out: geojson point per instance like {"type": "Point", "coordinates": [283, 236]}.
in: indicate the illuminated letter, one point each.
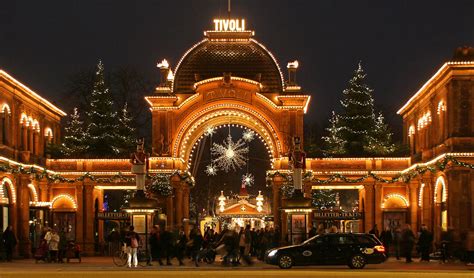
{"type": "Point", "coordinates": [226, 24]}
{"type": "Point", "coordinates": [216, 24]}
{"type": "Point", "coordinates": [232, 25]}
{"type": "Point", "coordinates": [243, 24]}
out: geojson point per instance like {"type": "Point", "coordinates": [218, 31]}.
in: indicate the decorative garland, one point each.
{"type": "Point", "coordinates": [160, 185]}
{"type": "Point", "coordinates": [405, 177]}
{"type": "Point", "coordinates": [57, 178]}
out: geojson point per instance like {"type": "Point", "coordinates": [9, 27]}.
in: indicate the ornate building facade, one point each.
{"type": "Point", "coordinates": [229, 78]}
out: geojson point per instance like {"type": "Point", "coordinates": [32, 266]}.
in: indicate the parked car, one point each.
{"type": "Point", "coordinates": [354, 250]}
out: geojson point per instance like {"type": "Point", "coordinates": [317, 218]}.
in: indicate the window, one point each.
{"type": "Point", "coordinates": [341, 239]}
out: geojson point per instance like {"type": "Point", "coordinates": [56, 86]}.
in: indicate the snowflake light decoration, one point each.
{"type": "Point", "coordinates": [210, 131]}
{"type": "Point", "coordinates": [211, 170]}
{"type": "Point", "coordinates": [229, 155]}
{"type": "Point", "coordinates": [248, 135]}
{"type": "Point", "coordinates": [248, 179]}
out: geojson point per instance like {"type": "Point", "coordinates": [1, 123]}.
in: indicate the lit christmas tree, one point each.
{"type": "Point", "coordinates": [334, 144]}
{"type": "Point", "coordinates": [126, 133]}
{"type": "Point", "coordinates": [324, 198]}
{"type": "Point", "coordinates": [102, 122]}
{"type": "Point", "coordinates": [357, 130]}
{"type": "Point", "coordinates": [74, 144]}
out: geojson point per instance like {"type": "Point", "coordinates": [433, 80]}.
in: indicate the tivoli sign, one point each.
{"type": "Point", "coordinates": [229, 25]}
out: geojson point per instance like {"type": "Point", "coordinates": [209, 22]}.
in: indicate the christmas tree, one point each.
{"type": "Point", "coordinates": [357, 131]}
{"type": "Point", "coordinates": [74, 144]}
{"type": "Point", "coordinates": [324, 198]}
{"type": "Point", "coordinates": [125, 133]}
{"type": "Point", "coordinates": [334, 143]}
{"type": "Point", "coordinates": [102, 122]}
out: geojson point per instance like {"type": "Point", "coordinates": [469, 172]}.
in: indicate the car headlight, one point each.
{"type": "Point", "coordinates": [272, 253]}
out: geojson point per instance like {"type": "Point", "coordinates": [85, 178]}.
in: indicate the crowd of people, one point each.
{"type": "Point", "coordinates": [234, 245]}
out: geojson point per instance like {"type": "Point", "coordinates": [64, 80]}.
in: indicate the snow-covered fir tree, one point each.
{"type": "Point", "coordinates": [356, 128]}
{"type": "Point", "coordinates": [334, 143]}
{"type": "Point", "coordinates": [74, 143]}
{"type": "Point", "coordinates": [125, 133]}
{"type": "Point", "coordinates": [102, 120]}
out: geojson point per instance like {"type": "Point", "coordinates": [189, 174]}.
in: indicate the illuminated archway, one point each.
{"type": "Point", "coordinates": [33, 193]}
{"type": "Point", "coordinates": [395, 200]}
{"type": "Point", "coordinates": [441, 190]}
{"type": "Point", "coordinates": [193, 129]}
{"type": "Point", "coordinates": [63, 201]}
{"type": "Point", "coordinates": [7, 183]}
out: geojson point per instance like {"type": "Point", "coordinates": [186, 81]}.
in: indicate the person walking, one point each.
{"type": "Point", "coordinates": [397, 240]}
{"type": "Point", "coordinates": [181, 246]}
{"type": "Point", "coordinates": [374, 231]}
{"type": "Point", "coordinates": [247, 242]}
{"type": "Point", "coordinates": [132, 240]}
{"type": "Point", "coordinates": [386, 238]}
{"type": "Point", "coordinates": [53, 244]}
{"type": "Point", "coordinates": [424, 243]}
{"type": "Point", "coordinates": [154, 242]}
{"type": "Point", "coordinates": [9, 242]}
{"type": "Point", "coordinates": [408, 241]}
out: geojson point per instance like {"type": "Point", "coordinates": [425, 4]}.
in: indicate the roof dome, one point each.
{"type": "Point", "coordinates": [212, 58]}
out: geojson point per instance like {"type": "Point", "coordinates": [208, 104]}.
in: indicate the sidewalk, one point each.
{"type": "Point", "coordinates": [94, 266]}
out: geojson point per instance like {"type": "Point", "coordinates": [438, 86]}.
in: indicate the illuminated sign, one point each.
{"type": "Point", "coordinates": [232, 25]}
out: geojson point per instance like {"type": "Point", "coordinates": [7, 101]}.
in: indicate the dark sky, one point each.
{"type": "Point", "coordinates": [401, 42]}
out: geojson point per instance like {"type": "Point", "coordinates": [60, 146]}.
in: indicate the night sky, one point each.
{"type": "Point", "coordinates": [401, 43]}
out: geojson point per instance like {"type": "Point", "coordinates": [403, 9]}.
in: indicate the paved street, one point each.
{"type": "Point", "coordinates": [94, 266]}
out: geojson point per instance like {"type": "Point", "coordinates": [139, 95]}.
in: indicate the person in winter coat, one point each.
{"type": "Point", "coordinates": [9, 241]}
{"type": "Point", "coordinates": [424, 243]}
{"type": "Point", "coordinates": [386, 238]}
{"type": "Point", "coordinates": [181, 245]}
{"type": "Point", "coordinates": [408, 241]}
{"type": "Point", "coordinates": [132, 240]}
{"type": "Point", "coordinates": [374, 231]}
{"type": "Point", "coordinates": [53, 243]}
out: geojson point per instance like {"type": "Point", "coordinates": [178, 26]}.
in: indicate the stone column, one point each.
{"type": "Point", "coordinates": [89, 218]}
{"type": "Point", "coordinates": [186, 207]}
{"type": "Point", "coordinates": [276, 184]}
{"type": "Point", "coordinates": [80, 214]}
{"type": "Point", "coordinates": [44, 190]}
{"type": "Point", "coordinates": [169, 212]}
{"type": "Point", "coordinates": [369, 206]}
{"type": "Point", "coordinates": [23, 204]}
{"type": "Point", "coordinates": [179, 204]}
{"type": "Point", "coordinates": [378, 212]}
{"type": "Point", "coordinates": [413, 201]}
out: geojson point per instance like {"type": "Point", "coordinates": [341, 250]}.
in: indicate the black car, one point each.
{"type": "Point", "coordinates": [354, 250]}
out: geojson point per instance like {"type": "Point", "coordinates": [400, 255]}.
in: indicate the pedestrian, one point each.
{"type": "Point", "coordinates": [424, 243]}
{"type": "Point", "coordinates": [53, 244]}
{"type": "Point", "coordinates": [132, 240]}
{"type": "Point", "coordinates": [62, 245]}
{"type": "Point", "coordinates": [9, 242]}
{"type": "Point", "coordinates": [374, 231]}
{"type": "Point", "coordinates": [247, 241]}
{"type": "Point", "coordinates": [181, 246]}
{"type": "Point", "coordinates": [386, 238]}
{"type": "Point", "coordinates": [166, 243]}
{"type": "Point", "coordinates": [195, 242]}
{"type": "Point", "coordinates": [397, 241]}
{"type": "Point", "coordinates": [408, 241]}
{"type": "Point", "coordinates": [321, 230]}
{"type": "Point", "coordinates": [154, 242]}
{"type": "Point", "coordinates": [312, 232]}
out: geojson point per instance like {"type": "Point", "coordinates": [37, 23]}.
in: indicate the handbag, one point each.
{"type": "Point", "coordinates": [134, 242]}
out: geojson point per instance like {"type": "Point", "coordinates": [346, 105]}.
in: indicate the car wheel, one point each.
{"type": "Point", "coordinates": [285, 261]}
{"type": "Point", "coordinates": [357, 262]}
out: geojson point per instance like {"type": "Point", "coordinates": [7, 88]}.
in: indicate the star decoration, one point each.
{"type": "Point", "coordinates": [248, 135]}
{"type": "Point", "coordinates": [229, 155]}
{"type": "Point", "coordinates": [211, 170]}
{"type": "Point", "coordinates": [248, 179]}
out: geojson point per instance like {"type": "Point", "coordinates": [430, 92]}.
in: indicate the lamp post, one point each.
{"type": "Point", "coordinates": [140, 208]}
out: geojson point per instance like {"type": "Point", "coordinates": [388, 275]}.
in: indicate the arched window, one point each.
{"type": "Point", "coordinates": [48, 135]}
{"type": "Point", "coordinates": [411, 138]}
{"type": "Point", "coordinates": [5, 118]}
